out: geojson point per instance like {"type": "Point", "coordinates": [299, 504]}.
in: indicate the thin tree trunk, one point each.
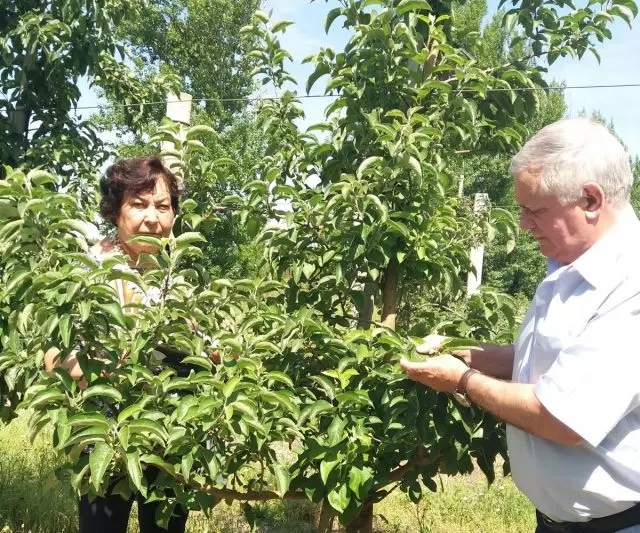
{"type": "Point", "coordinates": [368, 297]}
{"type": "Point", "coordinates": [20, 123]}
{"type": "Point", "coordinates": [325, 520]}
{"type": "Point", "coordinates": [364, 523]}
{"type": "Point", "coordinates": [390, 295]}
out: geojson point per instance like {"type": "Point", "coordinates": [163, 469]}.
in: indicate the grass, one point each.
{"type": "Point", "coordinates": [32, 500]}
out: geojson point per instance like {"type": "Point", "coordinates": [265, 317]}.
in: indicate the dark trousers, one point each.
{"type": "Point", "coordinates": [610, 524]}
{"type": "Point", "coordinates": [111, 515]}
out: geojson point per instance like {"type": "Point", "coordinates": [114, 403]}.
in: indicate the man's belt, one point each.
{"type": "Point", "coordinates": [606, 524]}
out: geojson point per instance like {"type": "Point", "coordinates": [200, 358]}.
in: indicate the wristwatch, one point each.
{"type": "Point", "coordinates": [460, 393]}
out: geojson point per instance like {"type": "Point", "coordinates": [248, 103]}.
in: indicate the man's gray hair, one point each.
{"type": "Point", "coordinates": [571, 152]}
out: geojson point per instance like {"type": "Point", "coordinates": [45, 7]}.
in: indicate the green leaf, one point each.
{"type": "Point", "coordinates": [65, 330]}
{"type": "Point", "coordinates": [414, 165]}
{"type": "Point", "coordinates": [88, 419]}
{"type": "Point", "coordinates": [326, 467]}
{"type": "Point", "coordinates": [156, 242]}
{"type": "Point", "coordinates": [312, 411]}
{"type": "Point", "coordinates": [230, 386]}
{"type": "Point", "coordinates": [326, 384]}
{"type": "Point", "coordinates": [114, 310]}
{"type": "Point", "coordinates": [261, 16]}
{"type": "Point", "coordinates": [281, 377]}
{"type": "Point", "coordinates": [145, 425]}
{"type": "Point", "coordinates": [331, 17]}
{"type": "Point", "coordinates": [336, 431]}
{"type": "Point", "coordinates": [202, 362]}
{"type": "Point", "coordinates": [509, 21]}
{"type": "Point", "coordinates": [359, 481]}
{"type": "Point", "coordinates": [412, 5]}
{"type": "Point", "coordinates": [339, 498]}
{"type": "Point", "coordinates": [99, 460]}
{"type": "Point", "coordinates": [382, 209]}
{"type": "Point", "coordinates": [104, 391]}
{"type": "Point", "coordinates": [283, 478]}
{"type": "Point", "coordinates": [244, 408]}
{"type": "Point", "coordinates": [40, 177]}
{"type": "Point", "coordinates": [189, 237]}
{"type": "Point", "coordinates": [135, 471]}
{"type": "Point", "coordinates": [201, 129]}
{"type": "Point", "coordinates": [47, 397]}
{"type": "Point", "coordinates": [186, 464]}
{"type": "Point", "coordinates": [370, 162]}
{"type": "Point", "coordinates": [308, 269]}
{"type": "Point", "coordinates": [281, 25]}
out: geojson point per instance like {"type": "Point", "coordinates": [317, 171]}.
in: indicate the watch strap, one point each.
{"type": "Point", "coordinates": [461, 390]}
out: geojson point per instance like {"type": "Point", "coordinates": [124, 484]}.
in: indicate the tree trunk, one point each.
{"type": "Point", "coordinates": [20, 123]}
{"type": "Point", "coordinates": [325, 520]}
{"type": "Point", "coordinates": [364, 523]}
{"type": "Point", "coordinates": [368, 302]}
{"type": "Point", "coordinates": [390, 295]}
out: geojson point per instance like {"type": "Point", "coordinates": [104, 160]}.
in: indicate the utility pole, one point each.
{"type": "Point", "coordinates": [476, 255]}
{"type": "Point", "coordinates": [178, 110]}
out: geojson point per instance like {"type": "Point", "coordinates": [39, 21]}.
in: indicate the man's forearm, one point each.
{"type": "Point", "coordinates": [491, 359]}
{"type": "Point", "coordinates": [517, 404]}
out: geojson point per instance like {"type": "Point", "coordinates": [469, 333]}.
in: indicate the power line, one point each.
{"type": "Point", "coordinates": [312, 96]}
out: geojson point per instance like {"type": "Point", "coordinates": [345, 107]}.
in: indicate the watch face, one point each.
{"type": "Point", "coordinates": [461, 399]}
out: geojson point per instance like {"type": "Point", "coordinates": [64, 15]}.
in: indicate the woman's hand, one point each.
{"type": "Point", "coordinates": [70, 364]}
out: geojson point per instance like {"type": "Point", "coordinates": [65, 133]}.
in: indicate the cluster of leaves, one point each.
{"type": "Point", "coordinates": [356, 210]}
{"type": "Point", "coordinates": [45, 48]}
{"type": "Point", "coordinates": [214, 427]}
{"type": "Point", "coordinates": [198, 41]}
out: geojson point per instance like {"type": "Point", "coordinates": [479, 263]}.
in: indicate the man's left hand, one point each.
{"type": "Point", "coordinates": [442, 373]}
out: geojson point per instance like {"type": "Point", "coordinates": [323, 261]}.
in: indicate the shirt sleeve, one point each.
{"type": "Point", "coordinates": [595, 380]}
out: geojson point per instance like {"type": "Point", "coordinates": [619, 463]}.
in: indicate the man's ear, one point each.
{"type": "Point", "coordinates": [593, 199]}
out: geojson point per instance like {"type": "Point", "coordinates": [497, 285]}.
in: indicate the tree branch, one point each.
{"type": "Point", "coordinates": [398, 473]}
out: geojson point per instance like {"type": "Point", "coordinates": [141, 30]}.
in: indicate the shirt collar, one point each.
{"type": "Point", "coordinates": [597, 264]}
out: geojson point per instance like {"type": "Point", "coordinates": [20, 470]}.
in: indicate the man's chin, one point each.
{"type": "Point", "coordinates": [545, 247]}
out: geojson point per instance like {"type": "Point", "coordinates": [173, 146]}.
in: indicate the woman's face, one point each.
{"type": "Point", "coordinates": [147, 213]}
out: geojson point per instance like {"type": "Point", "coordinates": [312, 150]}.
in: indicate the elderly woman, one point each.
{"type": "Point", "coordinates": [140, 197]}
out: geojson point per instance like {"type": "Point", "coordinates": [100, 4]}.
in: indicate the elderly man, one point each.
{"type": "Point", "coordinates": [569, 389]}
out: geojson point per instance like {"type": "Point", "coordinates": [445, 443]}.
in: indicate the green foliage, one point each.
{"type": "Point", "coordinates": [201, 158]}
{"type": "Point", "coordinates": [338, 402]}
{"type": "Point", "coordinates": [198, 41]}
{"type": "Point", "coordinates": [305, 398]}
{"type": "Point", "coordinates": [45, 48]}
{"type": "Point", "coordinates": [517, 271]}
{"type": "Point", "coordinates": [357, 209]}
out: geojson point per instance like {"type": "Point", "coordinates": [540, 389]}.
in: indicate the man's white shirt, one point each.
{"type": "Point", "coordinates": [580, 345]}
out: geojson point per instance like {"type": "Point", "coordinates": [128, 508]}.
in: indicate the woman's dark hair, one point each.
{"type": "Point", "coordinates": [131, 177]}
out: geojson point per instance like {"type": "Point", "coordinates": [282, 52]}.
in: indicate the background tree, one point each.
{"type": "Point", "coordinates": [46, 47]}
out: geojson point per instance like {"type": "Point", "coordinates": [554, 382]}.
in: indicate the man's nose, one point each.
{"type": "Point", "coordinates": [526, 223]}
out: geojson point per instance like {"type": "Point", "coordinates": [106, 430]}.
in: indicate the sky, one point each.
{"type": "Point", "coordinates": [620, 65]}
